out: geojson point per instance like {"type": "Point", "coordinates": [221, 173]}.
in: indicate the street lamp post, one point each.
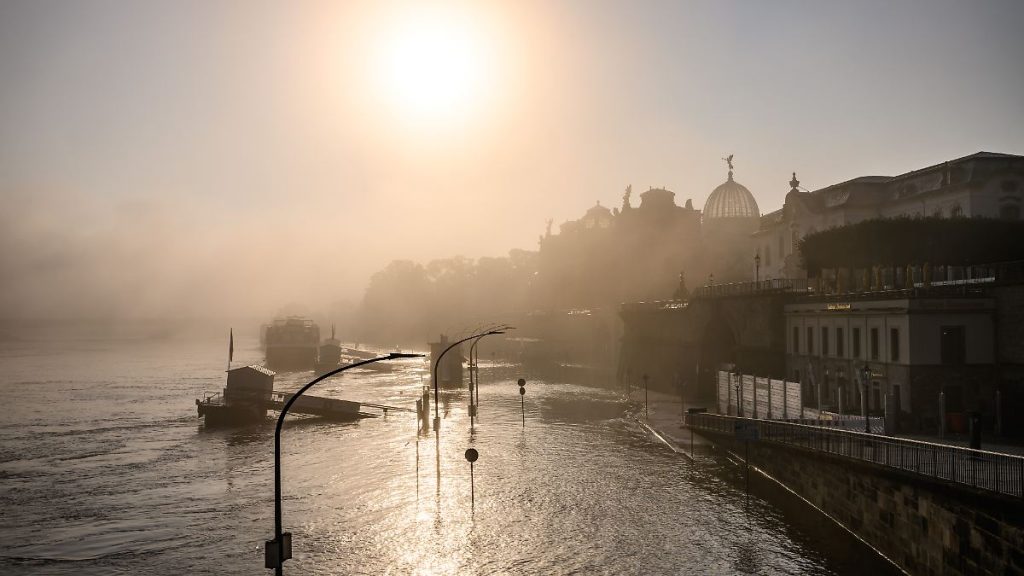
{"type": "Point", "coordinates": [827, 375]}
{"type": "Point", "coordinates": [757, 268]}
{"type": "Point", "coordinates": [474, 378]}
{"type": "Point", "coordinates": [739, 393]}
{"type": "Point", "coordinates": [279, 549]}
{"type": "Point", "coordinates": [866, 375]}
{"type": "Point", "coordinates": [437, 417]}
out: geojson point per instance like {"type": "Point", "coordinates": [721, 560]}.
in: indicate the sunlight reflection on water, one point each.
{"type": "Point", "coordinates": [126, 480]}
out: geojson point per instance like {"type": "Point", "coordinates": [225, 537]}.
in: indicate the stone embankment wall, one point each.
{"type": "Point", "coordinates": [925, 526]}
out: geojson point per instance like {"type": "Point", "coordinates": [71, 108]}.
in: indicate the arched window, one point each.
{"type": "Point", "coordinates": [956, 211]}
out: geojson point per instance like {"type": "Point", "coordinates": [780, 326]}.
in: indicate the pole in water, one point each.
{"type": "Point", "coordinates": [471, 456]}
{"type": "Point", "coordinates": [646, 414]}
{"type": "Point", "coordinates": [746, 463]}
{"type": "Point", "coordinates": [522, 398]}
{"type": "Point", "coordinates": [682, 402]}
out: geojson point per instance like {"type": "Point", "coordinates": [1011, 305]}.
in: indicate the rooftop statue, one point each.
{"type": "Point", "coordinates": [681, 293]}
{"type": "Point", "coordinates": [625, 197]}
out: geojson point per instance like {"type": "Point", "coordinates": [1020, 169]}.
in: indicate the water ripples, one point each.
{"type": "Point", "coordinates": [118, 476]}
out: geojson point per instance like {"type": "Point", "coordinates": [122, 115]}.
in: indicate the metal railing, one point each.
{"type": "Point", "coordinates": [1002, 473]}
{"type": "Point", "coordinates": [791, 285]}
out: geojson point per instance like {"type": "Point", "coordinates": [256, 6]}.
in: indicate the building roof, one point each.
{"type": "Point", "coordinates": [256, 368]}
{"type": "Point", "coordinates": [731, 200]}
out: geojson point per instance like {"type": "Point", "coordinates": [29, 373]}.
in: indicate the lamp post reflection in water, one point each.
{"type": "Point", "coordinates": [279, 549]}
{"type": "Point", "coordinates": [471, 456]}
{"type": "Point", "coordinates": [437, 417]}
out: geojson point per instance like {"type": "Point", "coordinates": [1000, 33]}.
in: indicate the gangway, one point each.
{"type": "Point", "coordinates": [333, 408]}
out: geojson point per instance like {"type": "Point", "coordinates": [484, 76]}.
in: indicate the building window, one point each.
{"type": "Point", "coordinates": [824, 341]}
{"type": "Point", "coordinates": [1009, 212]}
{"type": "Point", "coordinates": [874, 343]}
{"type": "Point", "coordinates": [796, 375]}
{"type": "Point", "coordinates": [894, 344]}
{"type": "Point", "coordinates": [796, 339]}
{"type": "Point", "coordinates": [956, 211]}
{"type": "Point", "coordinates": [856, 342]}
{"type": "Point", "coordinates": [810, 340]}
{"type": "Point", "coordinates": [840, 344]}
{"type": "Point", "coordinates": [952, 345]}
{"type": "Point", "coordinates": [767, 254]}
{"type": "Point", "coordinates": [782, 245]}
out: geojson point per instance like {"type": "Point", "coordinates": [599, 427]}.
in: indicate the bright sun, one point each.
{"type": "Point", "coordinates": [434, 64]}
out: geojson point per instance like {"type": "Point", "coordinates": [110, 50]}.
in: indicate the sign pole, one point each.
{"type": "Point", "coordinates": [522, 398]}
{"type": "Point", "coordinates": [471, 456]}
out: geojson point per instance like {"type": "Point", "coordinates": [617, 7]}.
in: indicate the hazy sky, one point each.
{"type": "Point", "coordinates": [190, 158]}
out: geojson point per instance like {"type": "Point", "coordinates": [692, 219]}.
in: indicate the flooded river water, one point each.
{"type": "Point", "coordinates": [105, 469]}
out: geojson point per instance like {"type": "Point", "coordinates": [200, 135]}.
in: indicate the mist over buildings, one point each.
{"type": "Point", "coordinates": [227, 161]}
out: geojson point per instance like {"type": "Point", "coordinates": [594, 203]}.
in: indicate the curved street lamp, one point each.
{"type": "Point", "coordinates": [437, 362]}
{"type": "Point", "coordinates": [473, 366]}
{"type": "Point", "coordinates": [279, 549]}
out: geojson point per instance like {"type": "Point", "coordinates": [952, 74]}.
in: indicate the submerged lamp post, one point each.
{"type": "Point", "coordinates": [474, 376]}
{"type": "Point", "coordinates": [646, 412]}
{"type": "Point", "coordinates": [437, 417]}
{"type": "Point", "coordinates": [280, 548]}
{"type": "Point", "coordinates": [757, 268]}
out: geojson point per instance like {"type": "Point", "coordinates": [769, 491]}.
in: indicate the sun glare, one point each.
{"type": "Point", "coordinates": [434, 65]}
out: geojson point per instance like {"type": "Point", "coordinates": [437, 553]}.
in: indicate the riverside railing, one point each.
{"type": "Point", "coordinates": [794, 285]}
{"type": "Point", "coordinates": [1002, 473]}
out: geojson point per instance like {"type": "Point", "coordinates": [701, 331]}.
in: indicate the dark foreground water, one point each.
{"type": "Point", "coordinates": [104, 469]}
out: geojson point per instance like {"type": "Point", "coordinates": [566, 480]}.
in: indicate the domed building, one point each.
{"type": "Point", "coordinates": [730, 209]}
{"type": "Point", "coordinates": [729, 219]}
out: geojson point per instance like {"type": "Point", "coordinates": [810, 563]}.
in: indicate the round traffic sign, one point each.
{"type": "Point", "coordinates": [522, 382]}
{"type": "Point", "coordinates": [472, 455]}
{"type": "Point", "coordinates": [522, 391]}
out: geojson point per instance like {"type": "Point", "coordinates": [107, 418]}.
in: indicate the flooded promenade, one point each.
{"type": "Point", "coordinates": [105, 470]}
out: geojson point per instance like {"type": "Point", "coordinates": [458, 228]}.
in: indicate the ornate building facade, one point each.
{"type": "Point", "coordinates": [984, 184]}
{"type": "Point", "coordinates": [636, 253]}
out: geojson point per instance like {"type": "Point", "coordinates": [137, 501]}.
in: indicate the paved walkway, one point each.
{"type": "Point", "coordinates": [964, 442]}
{"type": "Point", "coordinates": [664, 416]}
